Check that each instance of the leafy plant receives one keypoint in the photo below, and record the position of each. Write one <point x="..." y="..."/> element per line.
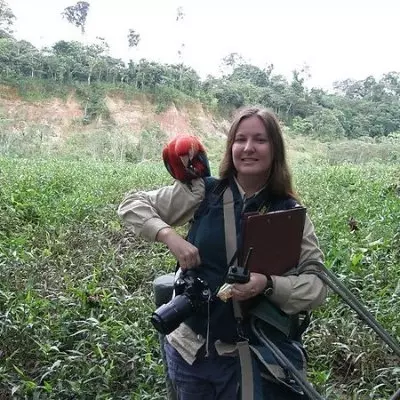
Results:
<point x="76" y="287"/>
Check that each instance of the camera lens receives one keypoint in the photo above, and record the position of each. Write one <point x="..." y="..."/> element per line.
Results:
<point x="169" y="316"/>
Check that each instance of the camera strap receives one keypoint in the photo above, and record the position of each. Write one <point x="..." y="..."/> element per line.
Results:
<point x="247" y="387"/>
<point x="231" y="241"/>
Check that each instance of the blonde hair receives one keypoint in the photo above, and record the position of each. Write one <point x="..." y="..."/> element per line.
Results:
<point x="279" y="177"/>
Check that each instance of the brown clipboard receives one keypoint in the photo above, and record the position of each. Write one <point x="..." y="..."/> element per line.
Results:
<point x="271" y="242"/>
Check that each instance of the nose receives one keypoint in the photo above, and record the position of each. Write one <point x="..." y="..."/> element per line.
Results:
<point x="249" y="146"/>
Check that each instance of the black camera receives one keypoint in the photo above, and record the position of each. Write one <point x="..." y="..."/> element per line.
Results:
<point x="191" y="295"/>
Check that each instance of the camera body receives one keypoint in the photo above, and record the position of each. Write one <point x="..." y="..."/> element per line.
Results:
<point x="191" y="295"/>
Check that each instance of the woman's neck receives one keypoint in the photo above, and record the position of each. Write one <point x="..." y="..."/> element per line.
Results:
<point x="251" y="184"/>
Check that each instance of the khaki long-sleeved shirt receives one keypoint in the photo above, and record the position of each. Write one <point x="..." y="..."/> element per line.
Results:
<point x="146" y="213"/>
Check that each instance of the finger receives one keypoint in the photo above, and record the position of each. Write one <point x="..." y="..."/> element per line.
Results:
<point x="194" y="259"/>
<point x="239" y="296"/>
<point x="242" y="287"/>
<point x="243" y="294"/>
<point x="198" y="260"/>
<point x="191" y="263"/>
<point x="185" y="262"/>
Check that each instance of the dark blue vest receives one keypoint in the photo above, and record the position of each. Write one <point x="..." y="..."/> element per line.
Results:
<point x="207" y="234"/>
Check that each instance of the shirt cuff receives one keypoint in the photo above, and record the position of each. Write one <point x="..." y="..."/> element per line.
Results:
<point x="151" y="227"/>
<point x="282" y="290"/>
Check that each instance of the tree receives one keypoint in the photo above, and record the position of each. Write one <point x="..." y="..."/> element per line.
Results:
<point x="180" y="15"/>
<point x="28" y="58"/>
<point x="391" y="83"/>
<point x="8" y="52"/>
<point x="77" y="14"/>
<point x="133" y="41"/>
<point x="231" y="61"/>
<point x="133" y="38"/>
<point x="115" y="68"/>
<point x="297" y="95"/>
<point x="326" y="124"/>
<point x="278" y="94"/>
<point x="94" y="54"/>
<point x="70" y="63"/>
<point x="250" y="73"/>
<point x="7" y="19"/>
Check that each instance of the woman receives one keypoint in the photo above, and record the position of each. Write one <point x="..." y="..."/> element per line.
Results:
<point x="254" y="167"/>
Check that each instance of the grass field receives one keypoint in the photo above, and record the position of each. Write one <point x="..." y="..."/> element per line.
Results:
<point x="75" y="287"/>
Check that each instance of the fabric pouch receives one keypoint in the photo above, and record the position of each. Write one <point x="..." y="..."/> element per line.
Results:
<point x="186" y="342"/>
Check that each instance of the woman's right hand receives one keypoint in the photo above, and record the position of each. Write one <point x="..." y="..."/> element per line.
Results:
<point x="187" y="255"/>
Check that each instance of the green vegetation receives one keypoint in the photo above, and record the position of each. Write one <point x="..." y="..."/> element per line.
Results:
<point x="106" y="143"/>
<point x="74" y="298"/>
<point x="75" y="287"/>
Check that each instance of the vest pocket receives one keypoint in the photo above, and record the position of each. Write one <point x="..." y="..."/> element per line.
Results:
<point x="274" y="317"/>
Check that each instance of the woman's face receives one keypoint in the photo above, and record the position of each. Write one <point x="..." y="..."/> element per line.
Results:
<point x="252" y="149"/>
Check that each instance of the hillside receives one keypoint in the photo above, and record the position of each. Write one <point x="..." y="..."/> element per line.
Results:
<point x="63" y="117"/>
<point x="134" y="128"/>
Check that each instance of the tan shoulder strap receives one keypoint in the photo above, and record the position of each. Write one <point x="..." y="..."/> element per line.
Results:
<point x="229" y="224"/>
<point x="246" y="366"/>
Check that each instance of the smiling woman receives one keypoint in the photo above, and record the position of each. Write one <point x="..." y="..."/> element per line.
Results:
<point x="254" y="174"/>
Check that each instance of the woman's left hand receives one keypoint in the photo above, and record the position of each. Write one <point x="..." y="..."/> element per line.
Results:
<point x="244" y="291"/>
